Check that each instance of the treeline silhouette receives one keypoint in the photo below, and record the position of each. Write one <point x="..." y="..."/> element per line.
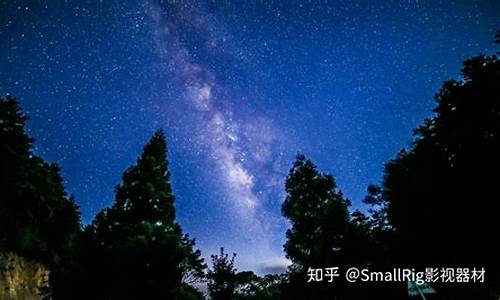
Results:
<point x="435" y="207"/>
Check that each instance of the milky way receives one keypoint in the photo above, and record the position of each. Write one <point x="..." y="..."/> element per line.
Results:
<point x="239" y="87"/>
<point x="238" y="148"/>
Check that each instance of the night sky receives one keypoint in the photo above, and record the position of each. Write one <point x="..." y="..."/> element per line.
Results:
<point x="239" y="87"/>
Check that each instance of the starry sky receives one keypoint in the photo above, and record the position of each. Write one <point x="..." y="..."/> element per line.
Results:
<point x="239" y="87"/>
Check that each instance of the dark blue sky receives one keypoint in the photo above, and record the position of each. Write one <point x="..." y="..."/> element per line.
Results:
<point x="239" y="87"/>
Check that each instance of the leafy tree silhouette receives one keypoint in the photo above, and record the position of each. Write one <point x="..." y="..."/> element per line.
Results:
<point x="225" y="282"/>
<point x="439" y="195"/>
<point x="222" y="277"/>
<point x="37" y="218"/>
<point x="318" y="214"/>
<point x="319" y="221"/>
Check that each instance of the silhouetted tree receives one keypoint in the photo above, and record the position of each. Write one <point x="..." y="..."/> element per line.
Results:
<point x="226" y="283"/>
<point x="37" y="218"/>
<point x="439" y="195"/>
<point x="318" y="214"/>
<point x="222" y="277"/>
<point x="324" y="234"/>
<point x="137" y="250"/>
<point x="319" y="221"/>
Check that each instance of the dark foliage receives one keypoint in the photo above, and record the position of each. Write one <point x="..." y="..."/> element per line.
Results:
<point x="323" y="234"/>
<point x="318" y="214"/>
<point x="135" y="249"/>
<point x="222" y="277"/>
<point x="37" y="218"/>
<point x="439" y="196"/>
<point x="226" y="283"/>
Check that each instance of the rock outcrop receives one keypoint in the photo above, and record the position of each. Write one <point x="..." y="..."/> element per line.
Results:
<point x="21" y="279"/>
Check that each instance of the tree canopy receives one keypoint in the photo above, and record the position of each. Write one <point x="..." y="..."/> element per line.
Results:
<point x="137" y="248"/>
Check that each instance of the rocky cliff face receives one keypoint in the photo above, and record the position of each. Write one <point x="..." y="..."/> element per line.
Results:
<point x="21" y="279"/>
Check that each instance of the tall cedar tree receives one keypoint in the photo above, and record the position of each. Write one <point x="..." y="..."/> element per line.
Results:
<point x="137" y="251"/>
<point x="440" y="194"/>
<point x="37" y="219"/>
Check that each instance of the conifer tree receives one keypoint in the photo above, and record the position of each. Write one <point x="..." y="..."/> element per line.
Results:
<point x="139" y="249"/>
